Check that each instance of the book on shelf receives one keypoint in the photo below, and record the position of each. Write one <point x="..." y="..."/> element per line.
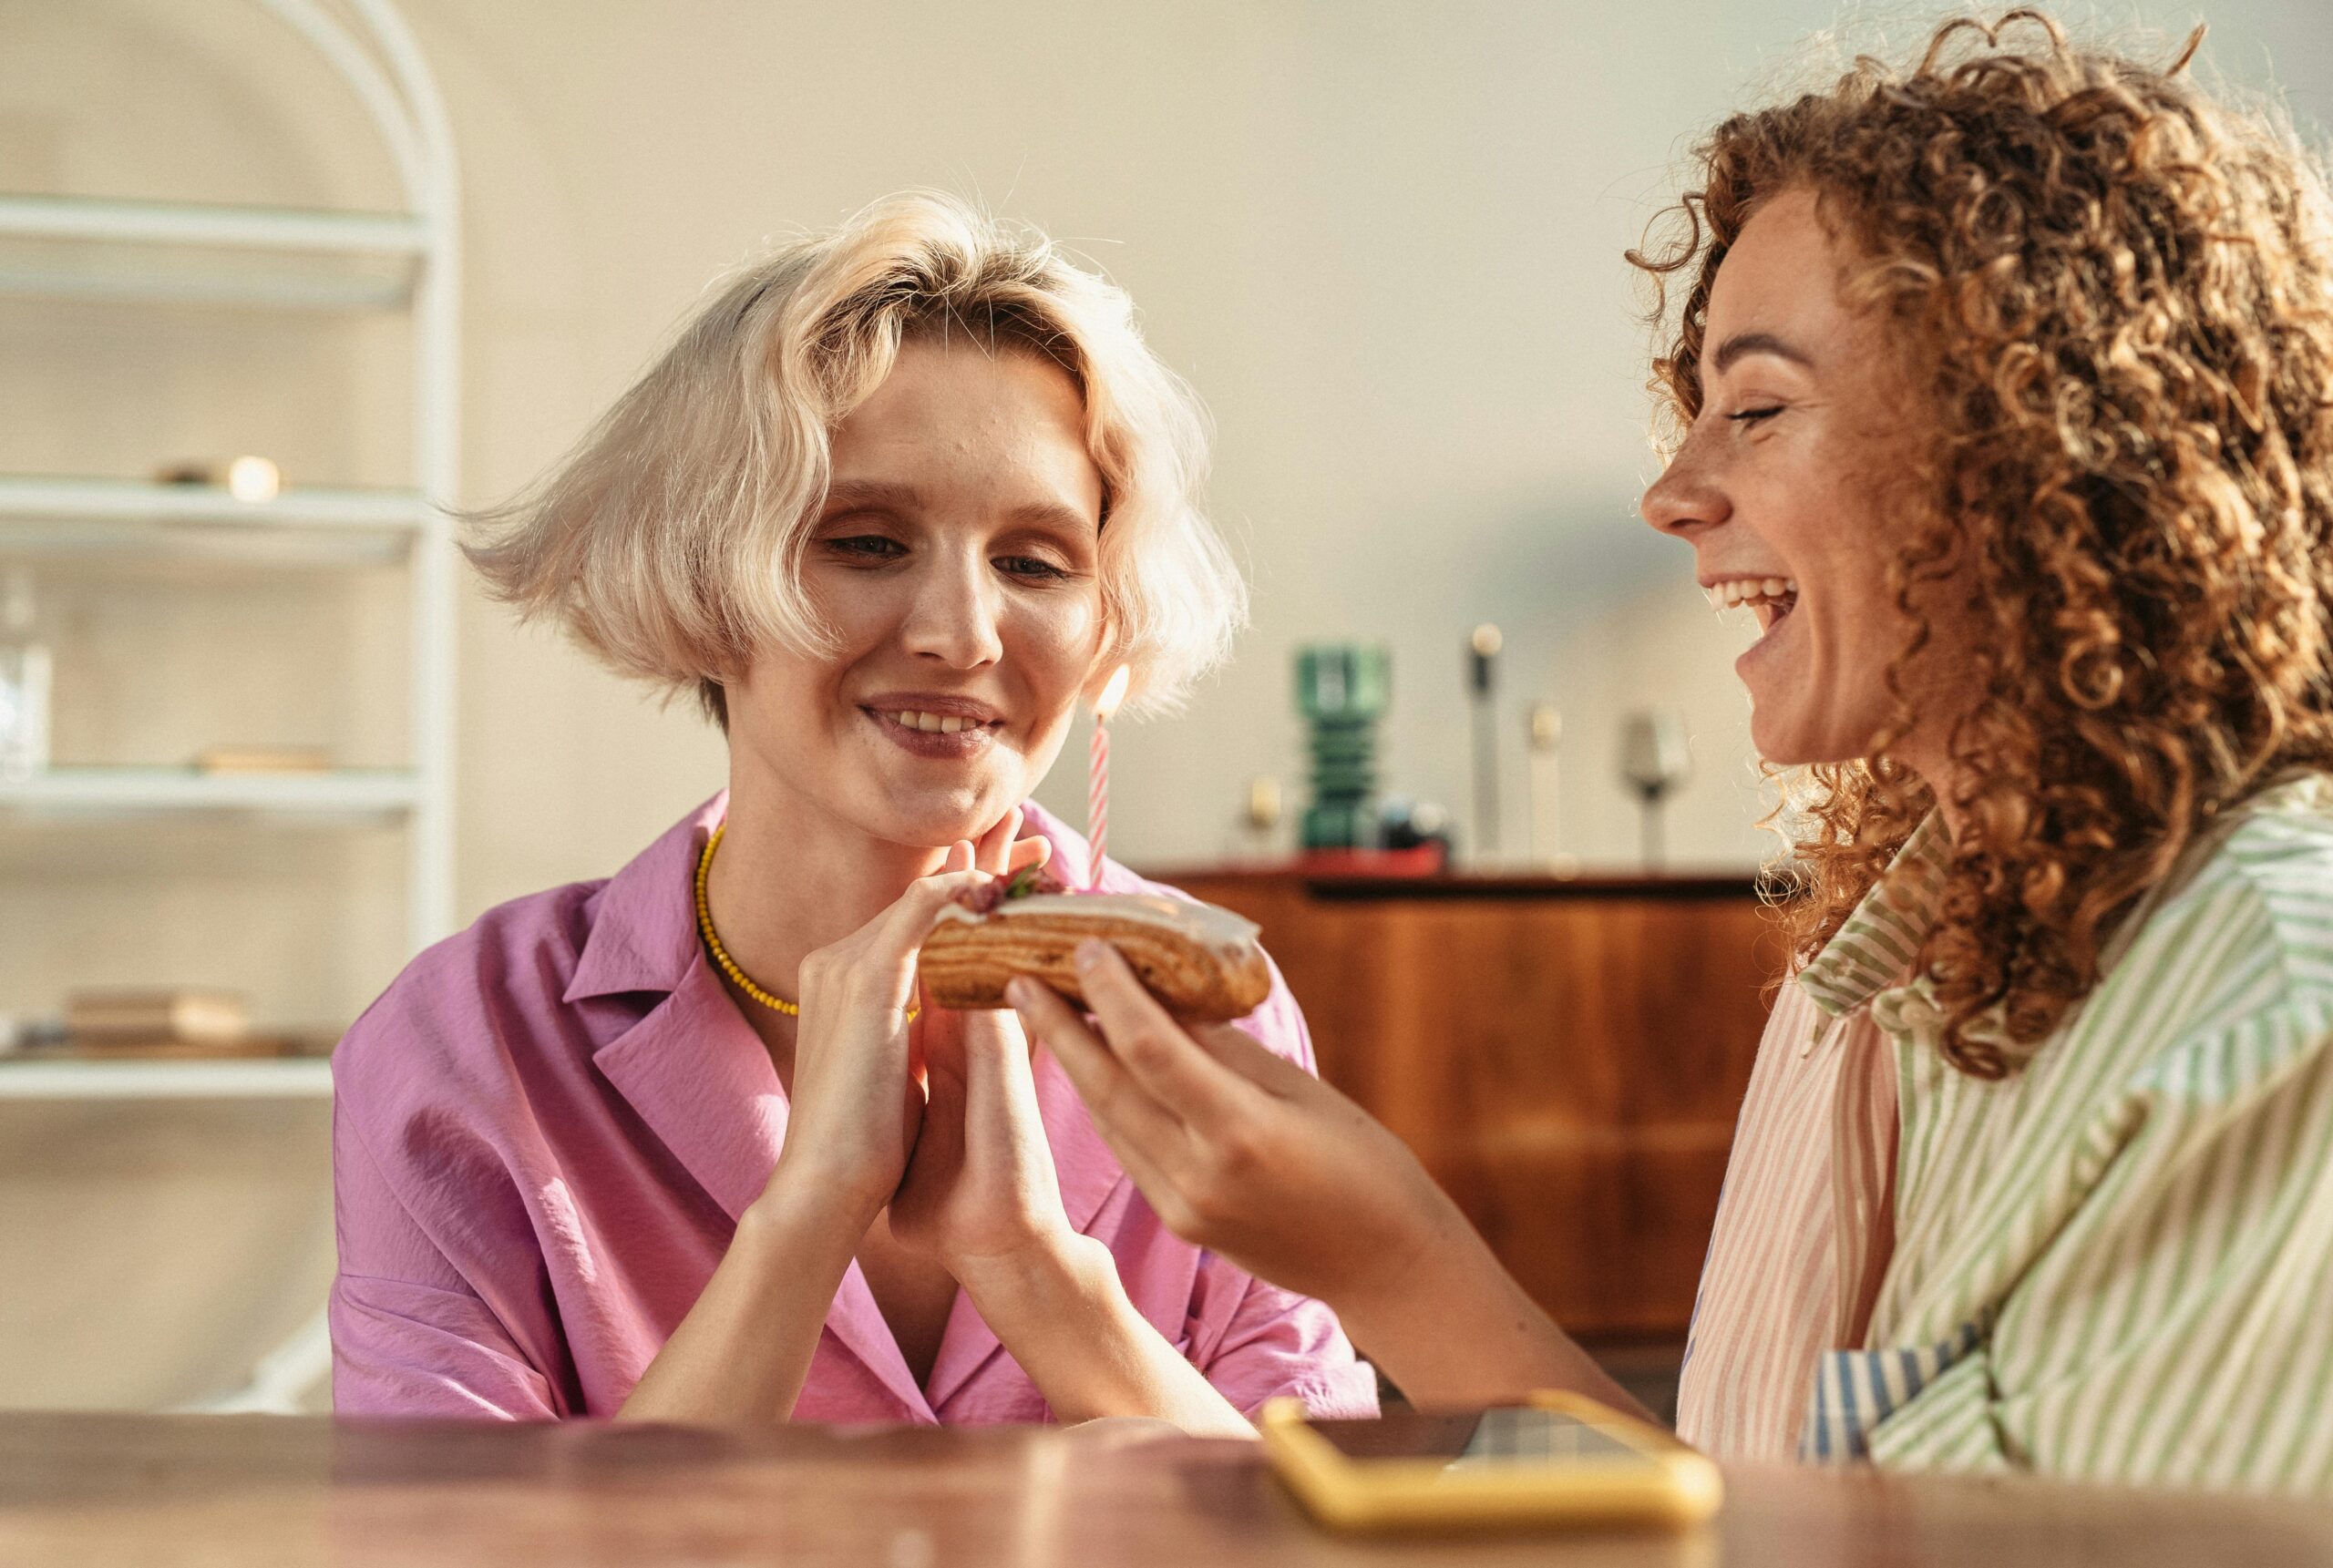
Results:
<point x="263" y="759"/>
<point x="212" y="1020"/>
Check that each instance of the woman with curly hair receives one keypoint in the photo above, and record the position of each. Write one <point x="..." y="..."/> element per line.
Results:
<point x="2002" y="390"/>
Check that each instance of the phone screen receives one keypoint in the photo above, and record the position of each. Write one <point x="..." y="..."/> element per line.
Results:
<point x="1504" y="1435"/>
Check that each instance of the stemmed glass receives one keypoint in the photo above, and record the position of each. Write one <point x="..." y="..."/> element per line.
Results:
<point x="1654" y="761"/>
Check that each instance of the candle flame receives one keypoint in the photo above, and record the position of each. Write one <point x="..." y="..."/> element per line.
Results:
<point x="1113" y="693"/>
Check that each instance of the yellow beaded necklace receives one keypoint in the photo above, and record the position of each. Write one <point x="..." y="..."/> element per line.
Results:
<point x="720" y="955"/>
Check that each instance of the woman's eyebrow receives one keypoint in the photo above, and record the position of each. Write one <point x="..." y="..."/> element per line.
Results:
<point x="1740" y="343"/>
<point x="904" y="500"/>
<point x="873" y="495"/>
<point x="1057" y="514"/>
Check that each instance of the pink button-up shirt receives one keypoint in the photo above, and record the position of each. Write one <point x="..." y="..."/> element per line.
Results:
<point x="546" y="1129"/>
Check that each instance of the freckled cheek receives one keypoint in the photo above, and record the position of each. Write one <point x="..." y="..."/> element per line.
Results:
<point x="859" y="608"/>
<point x="1050" y="646"/>
<point x="785" y="693"/>
<point x="862" y="613"/>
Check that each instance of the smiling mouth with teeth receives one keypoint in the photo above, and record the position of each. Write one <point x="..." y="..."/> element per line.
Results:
<point x="933" y="724"/>
<point x="1767" y="598"/>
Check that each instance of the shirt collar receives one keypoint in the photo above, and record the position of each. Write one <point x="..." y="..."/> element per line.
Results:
<point x="1875" y="948"/>
<point x="644" y="920"/>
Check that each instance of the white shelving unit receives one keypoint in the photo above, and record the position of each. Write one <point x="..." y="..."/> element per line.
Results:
<point x="194" y="255"/>
<point x="183" y="252"/>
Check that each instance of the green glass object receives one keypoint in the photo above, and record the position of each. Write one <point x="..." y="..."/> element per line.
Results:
<point x="1342" y="689"/>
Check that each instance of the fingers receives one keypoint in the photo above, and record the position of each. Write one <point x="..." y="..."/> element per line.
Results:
<point x="1251" y="1058"/>
<point x="995" y="848"/>
<point x="1153" y="1148"/>
<point x="945" y="1066"/>
<point x="937" y="1036"/>
<point x="1002" y="851"/>
<point x="1166" y="1061"/>
<point x="903" y="926"/>
<point x="961" y="856"/>
<point x="1122" y="1109"/>
<point x="995" y="1052"/>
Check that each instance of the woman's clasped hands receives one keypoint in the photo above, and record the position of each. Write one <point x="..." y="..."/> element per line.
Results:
<point x="925" y="1132"/>
<point x="979" y="1193"/>
<point x="932" y="1114"/>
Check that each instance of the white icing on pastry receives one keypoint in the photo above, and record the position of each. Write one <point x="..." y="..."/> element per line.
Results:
<point x="1206" y="924"/>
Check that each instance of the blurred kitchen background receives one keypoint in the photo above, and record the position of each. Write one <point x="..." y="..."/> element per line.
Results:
<point x="1382" y="240"/>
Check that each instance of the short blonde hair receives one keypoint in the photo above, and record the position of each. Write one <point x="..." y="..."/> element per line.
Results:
<point x="670" y="542"/>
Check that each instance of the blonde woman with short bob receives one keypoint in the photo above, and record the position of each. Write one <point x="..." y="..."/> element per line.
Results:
<point x="680" y="1145"/>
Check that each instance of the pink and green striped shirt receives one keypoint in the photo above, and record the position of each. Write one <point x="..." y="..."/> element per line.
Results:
<point x="2115" y="1265"/>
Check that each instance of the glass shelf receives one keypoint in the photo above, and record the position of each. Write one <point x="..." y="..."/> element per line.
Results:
<point x="356" y="793"/>
<point x="184" y="252"/>
<point x="226" y="1078"/>
<point x="97" y="518"/>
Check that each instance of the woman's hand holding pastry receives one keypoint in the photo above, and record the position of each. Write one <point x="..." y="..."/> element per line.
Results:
<point x="979" y="1190"/>
<point x="1238" y="1150"/>
<point x="1252" y="1157"/>
<point x="855" y="1102"/>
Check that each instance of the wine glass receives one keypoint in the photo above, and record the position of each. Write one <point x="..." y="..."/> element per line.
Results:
<point x="1654" y="760"/>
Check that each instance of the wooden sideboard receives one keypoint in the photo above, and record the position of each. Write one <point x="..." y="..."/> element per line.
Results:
<point x="1566" y="1056"/>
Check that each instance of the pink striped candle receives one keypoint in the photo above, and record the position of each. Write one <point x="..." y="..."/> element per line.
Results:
<point x="1097" y="778"/>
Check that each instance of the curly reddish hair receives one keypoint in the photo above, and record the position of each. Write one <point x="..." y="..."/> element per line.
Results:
<point x="2113" y="300"/>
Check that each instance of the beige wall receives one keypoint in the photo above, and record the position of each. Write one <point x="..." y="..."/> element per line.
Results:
<point x="1382" y="240"/>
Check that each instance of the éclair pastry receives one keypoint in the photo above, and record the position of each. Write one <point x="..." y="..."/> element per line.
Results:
<point x="1202" y="962"/>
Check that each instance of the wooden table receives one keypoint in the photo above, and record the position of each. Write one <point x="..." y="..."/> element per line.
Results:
<point x="260" y="1492"/>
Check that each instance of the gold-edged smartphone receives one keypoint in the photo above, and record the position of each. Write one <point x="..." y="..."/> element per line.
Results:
<point x="1559" y="1459"/>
